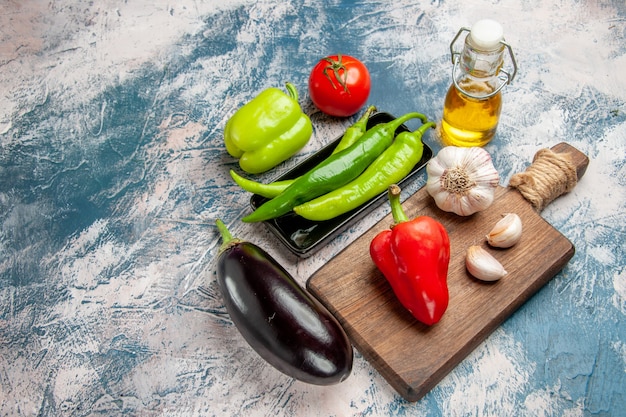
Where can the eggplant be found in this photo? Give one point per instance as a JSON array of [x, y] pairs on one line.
[[278, 318]]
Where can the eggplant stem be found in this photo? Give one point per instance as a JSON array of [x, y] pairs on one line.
[[227, 238], [224, 232]]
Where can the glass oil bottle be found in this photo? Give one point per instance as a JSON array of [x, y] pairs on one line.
[[472, 106]]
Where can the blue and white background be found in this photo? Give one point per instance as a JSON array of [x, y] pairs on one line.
[[112, 171]]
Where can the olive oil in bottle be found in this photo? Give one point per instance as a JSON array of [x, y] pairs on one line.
[[472, 106], [469, 121]]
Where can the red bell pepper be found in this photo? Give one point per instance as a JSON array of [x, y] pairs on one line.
[[413, 255]]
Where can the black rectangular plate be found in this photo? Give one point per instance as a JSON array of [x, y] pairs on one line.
[[304, 237]]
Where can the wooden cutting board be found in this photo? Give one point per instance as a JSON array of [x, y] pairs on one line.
[[411, 356]]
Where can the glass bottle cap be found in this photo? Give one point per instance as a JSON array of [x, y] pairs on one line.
[[487, 34]]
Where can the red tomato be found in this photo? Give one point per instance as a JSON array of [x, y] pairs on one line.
[[339, 85]]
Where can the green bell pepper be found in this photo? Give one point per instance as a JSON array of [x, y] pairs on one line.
[[267, 130]]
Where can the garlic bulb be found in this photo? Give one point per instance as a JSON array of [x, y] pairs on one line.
[[482, 265], [507, 232], [462, 180]]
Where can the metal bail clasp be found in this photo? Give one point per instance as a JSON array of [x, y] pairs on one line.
[[503, 75]]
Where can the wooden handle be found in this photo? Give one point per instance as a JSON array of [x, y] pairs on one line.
[[553, 173], [579, 159]]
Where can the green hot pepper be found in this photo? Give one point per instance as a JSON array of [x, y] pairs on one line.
[[271, 190], [267, 130], [354, 132], [333, 172], [389, 168]]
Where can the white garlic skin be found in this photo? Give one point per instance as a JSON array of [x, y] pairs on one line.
[[506, 232], [482, 265], [462, 180]]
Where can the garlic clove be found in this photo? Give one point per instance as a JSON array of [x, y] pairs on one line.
[[479, 198], [482, 265], [506, 232]]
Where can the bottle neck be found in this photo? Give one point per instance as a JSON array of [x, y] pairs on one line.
[[480, 63], [476, 72]]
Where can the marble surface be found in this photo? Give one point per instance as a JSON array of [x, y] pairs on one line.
[[113, 169]]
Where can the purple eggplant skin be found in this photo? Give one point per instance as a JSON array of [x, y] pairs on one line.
[[279, 319]]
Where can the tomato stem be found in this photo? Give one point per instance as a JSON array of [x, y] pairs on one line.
[[335, 66]]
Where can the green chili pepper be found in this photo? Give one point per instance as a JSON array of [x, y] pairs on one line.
[[271, 190], [395, 163], [267, 130], [333, 172], [354, 132]]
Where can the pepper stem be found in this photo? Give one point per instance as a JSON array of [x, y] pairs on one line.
[[402, 119], [360, 126], [418, 133], [291, 89], [423, 128], [396, 207], [362, 122], [354, 132]]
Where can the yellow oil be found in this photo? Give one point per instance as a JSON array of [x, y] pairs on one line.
[[469, 121]]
